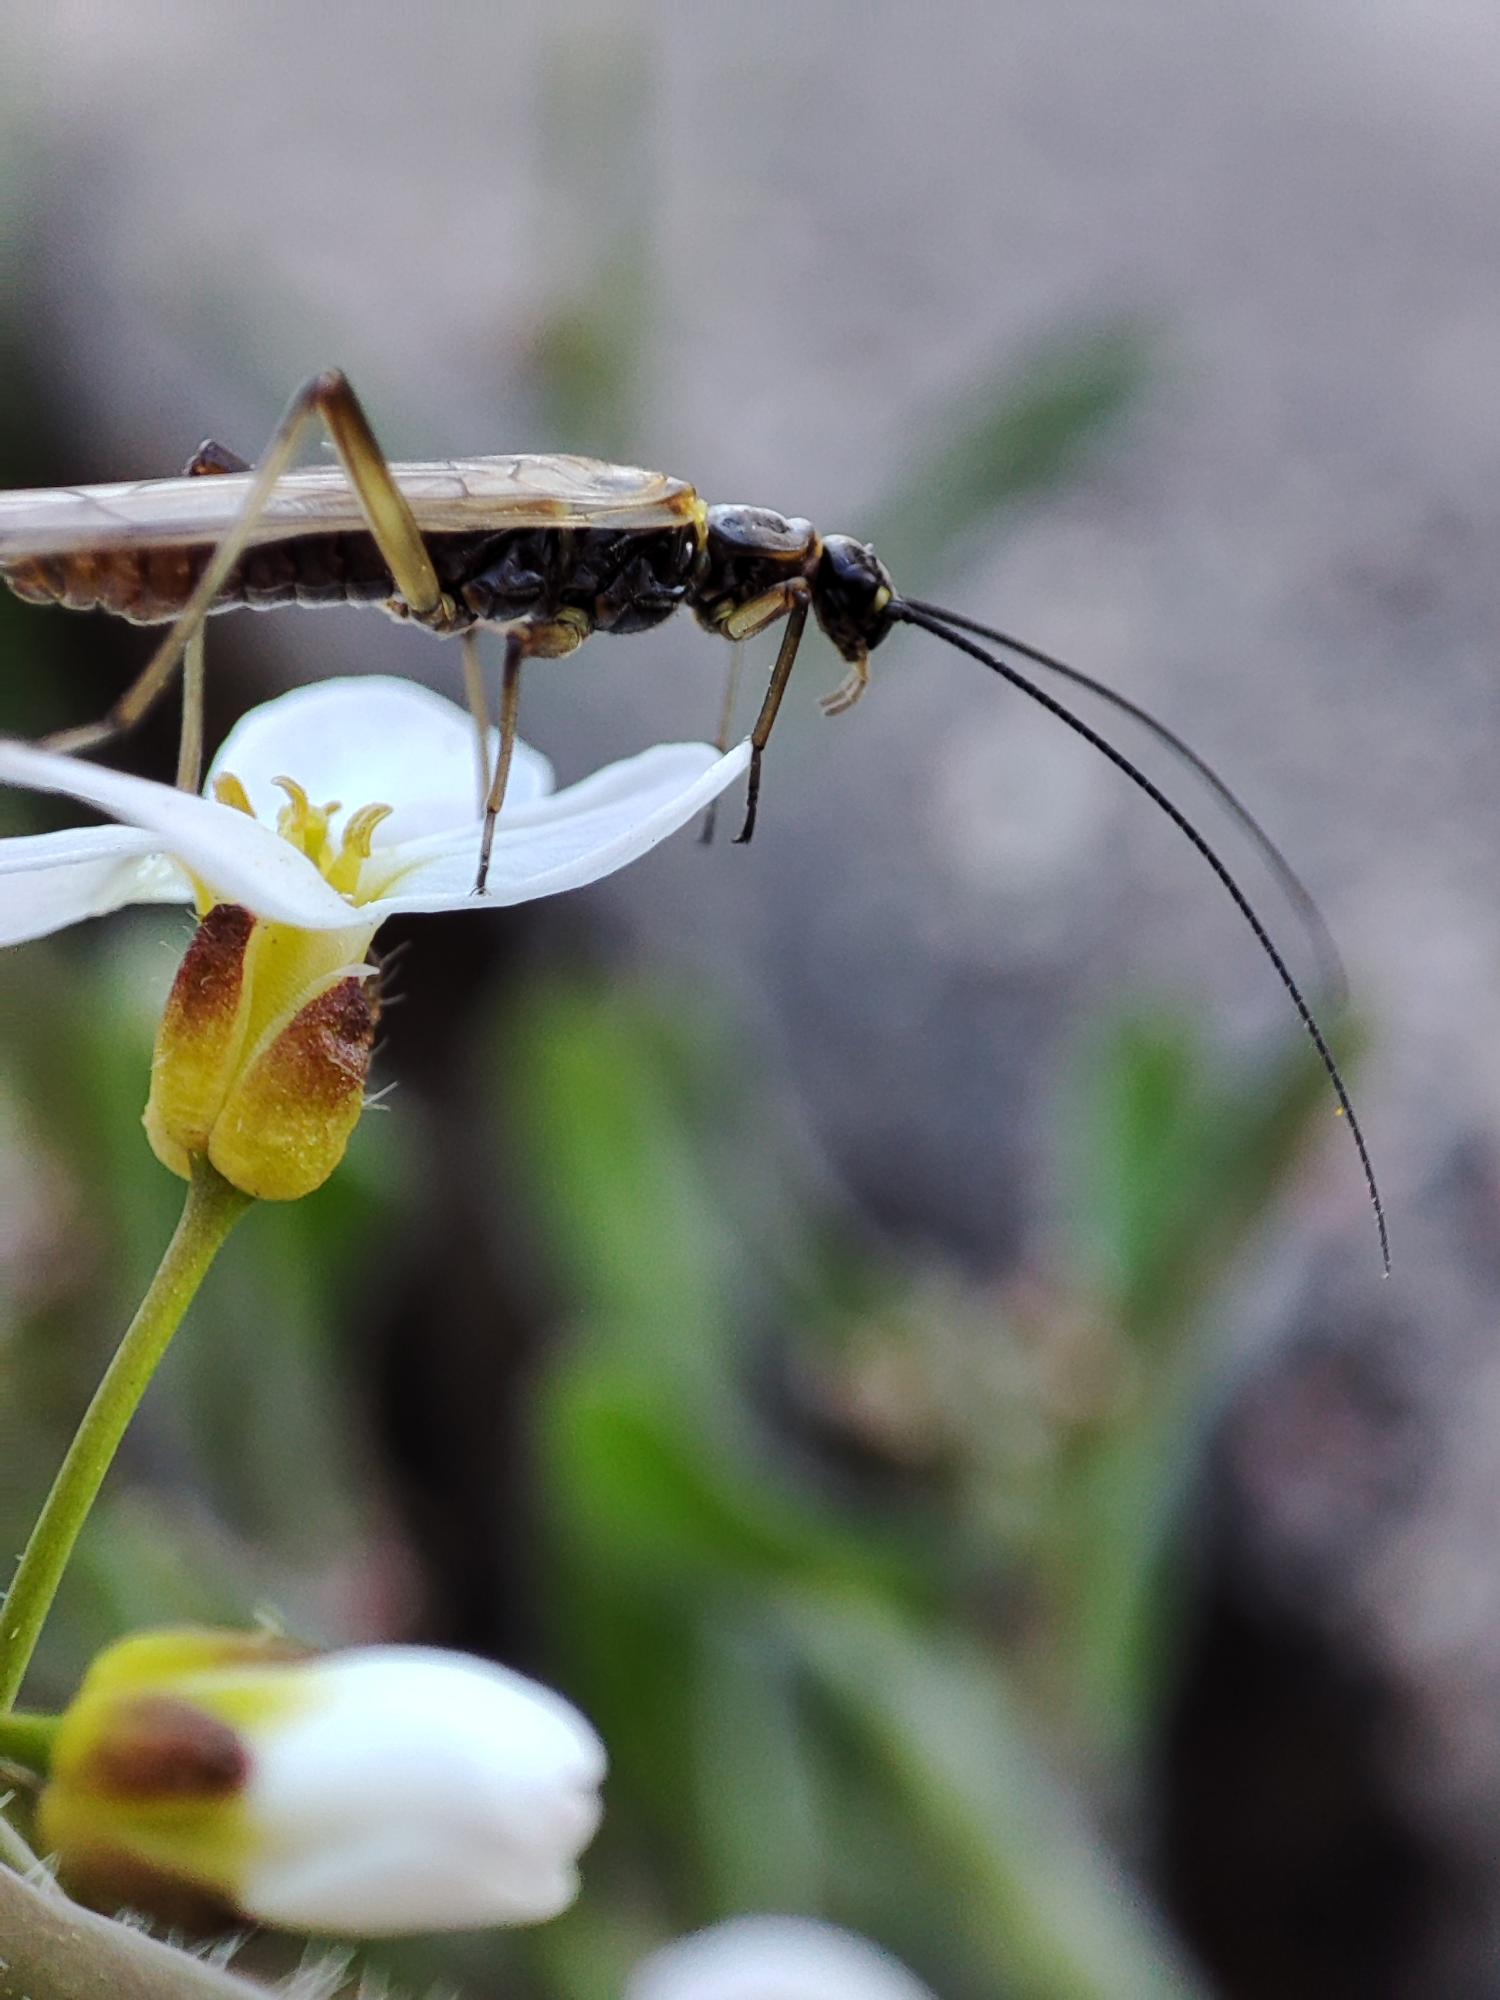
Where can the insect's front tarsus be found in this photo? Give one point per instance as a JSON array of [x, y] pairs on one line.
[[930, 618]]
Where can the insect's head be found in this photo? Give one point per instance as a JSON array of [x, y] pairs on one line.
[[852, 595]]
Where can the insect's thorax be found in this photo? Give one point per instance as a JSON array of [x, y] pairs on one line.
[[749, 555], [588, 579]]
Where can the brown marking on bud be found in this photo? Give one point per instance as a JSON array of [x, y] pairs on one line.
[[202, 1031], [211, 976], [155, 1747], [288, 1119]]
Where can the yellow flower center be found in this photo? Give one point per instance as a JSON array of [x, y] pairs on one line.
[[309, 829]]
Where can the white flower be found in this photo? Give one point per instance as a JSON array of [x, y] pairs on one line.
[[367, 1793], [367, 744], [773, 1958], [330, 810]]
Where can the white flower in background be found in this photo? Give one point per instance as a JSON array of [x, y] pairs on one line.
[[773, 1958], [327, 811], [386, 1790]]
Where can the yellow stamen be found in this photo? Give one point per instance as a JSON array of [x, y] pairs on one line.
[[302, 823], [306, 826], [343, 873], [230, 792]]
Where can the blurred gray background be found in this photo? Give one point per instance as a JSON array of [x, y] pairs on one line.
[[788, 253]]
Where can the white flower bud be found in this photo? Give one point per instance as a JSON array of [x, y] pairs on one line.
[[364, 1793], [420, 1791], [773, 1958]]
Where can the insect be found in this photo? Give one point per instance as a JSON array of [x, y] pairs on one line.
[[547, 550]]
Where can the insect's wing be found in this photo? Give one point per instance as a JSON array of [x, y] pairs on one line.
[[453, 496], [541, 490]]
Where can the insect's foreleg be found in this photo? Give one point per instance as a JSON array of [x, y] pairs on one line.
[[797, 599], [385, 509], [479, 708], [510, 705], [726, 723]]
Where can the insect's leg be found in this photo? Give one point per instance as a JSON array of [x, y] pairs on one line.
[[210, 458], [800, 600], [510, 704], [726, 723], [849, 689], [385, 509], [479, 708], [190, 743]]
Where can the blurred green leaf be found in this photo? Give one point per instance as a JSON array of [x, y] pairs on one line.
[[691, 1507], [1178, 1164], [1175, 1164], [600, 1102], [757, 1805], [1017, 430], [587, 356], [1035, 1896]]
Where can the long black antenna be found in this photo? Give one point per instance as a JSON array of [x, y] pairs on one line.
[[930, 619], [1330, 964]]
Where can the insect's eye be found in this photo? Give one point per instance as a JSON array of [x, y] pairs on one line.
[[850, 568]]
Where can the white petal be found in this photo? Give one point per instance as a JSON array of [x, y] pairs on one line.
[[581, 835], [241, 860], [773, 1958], [419, 1790], [50, 880], [368, 740]]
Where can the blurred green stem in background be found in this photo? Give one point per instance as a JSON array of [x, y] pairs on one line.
[[211, 1210]]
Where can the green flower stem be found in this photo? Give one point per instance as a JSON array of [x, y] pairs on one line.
[[210, 1212], [27, 1740]]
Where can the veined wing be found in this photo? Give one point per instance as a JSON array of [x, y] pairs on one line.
[[454, 496]]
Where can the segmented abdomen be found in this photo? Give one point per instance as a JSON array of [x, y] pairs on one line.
[[614, 580], [150, 585]]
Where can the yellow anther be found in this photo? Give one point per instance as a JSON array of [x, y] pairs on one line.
[[343, 873], [230, 792]]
